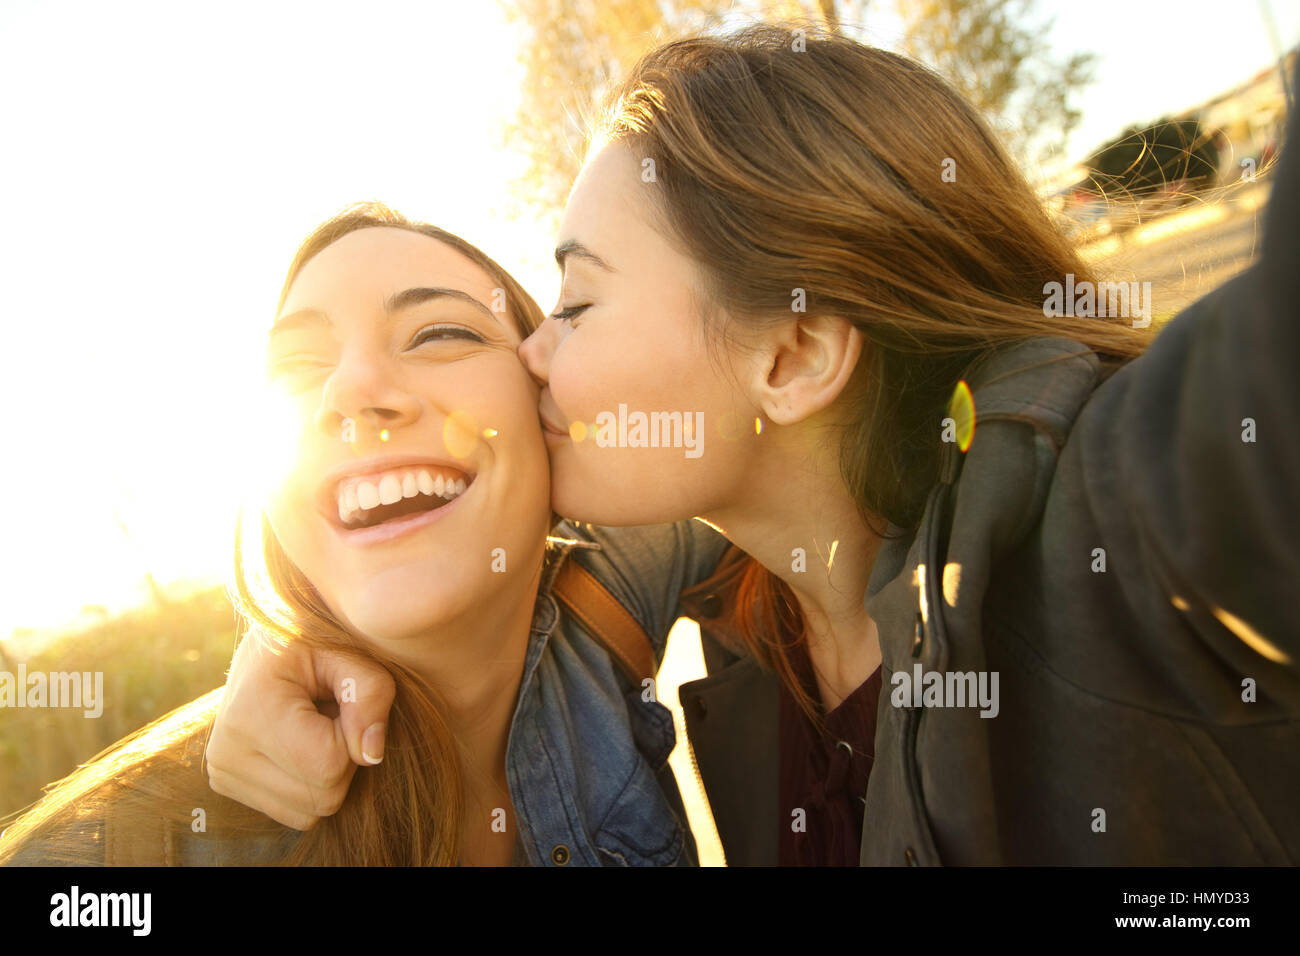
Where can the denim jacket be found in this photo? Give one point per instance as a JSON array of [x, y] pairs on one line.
[[587, 753], [587, 758]]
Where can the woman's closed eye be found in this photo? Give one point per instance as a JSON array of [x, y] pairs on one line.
[[436, 333], [572, 312]]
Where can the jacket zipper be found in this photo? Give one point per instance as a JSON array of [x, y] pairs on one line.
[[710, 827]]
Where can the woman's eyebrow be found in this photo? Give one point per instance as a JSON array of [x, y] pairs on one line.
[[394, 303], [410, 297], [574, 248]]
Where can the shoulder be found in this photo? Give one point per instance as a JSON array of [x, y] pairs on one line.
[[145, 802], [646, 568], [616, 554]]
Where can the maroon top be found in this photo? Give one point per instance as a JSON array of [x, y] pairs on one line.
[[825, 774]]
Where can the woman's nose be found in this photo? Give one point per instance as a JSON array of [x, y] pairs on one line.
[[536, 350], [358, 396]]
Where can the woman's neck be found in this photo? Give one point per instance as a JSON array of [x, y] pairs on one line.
[[795, 516], [475, 664]]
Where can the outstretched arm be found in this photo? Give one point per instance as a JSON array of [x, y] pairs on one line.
[[1209, 449]]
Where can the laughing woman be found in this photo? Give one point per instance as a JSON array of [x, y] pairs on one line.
[[409, 534], [1093, 535]]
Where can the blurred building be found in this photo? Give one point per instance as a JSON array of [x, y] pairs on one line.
[[1249, 120]]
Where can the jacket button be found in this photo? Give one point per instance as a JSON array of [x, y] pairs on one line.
[[560, 854], [918, 635], [911, 857], [710, 605], [699, 708]]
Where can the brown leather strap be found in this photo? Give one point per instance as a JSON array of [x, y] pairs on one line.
[[605, 619]]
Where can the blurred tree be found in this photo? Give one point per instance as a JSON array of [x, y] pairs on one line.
[[573, 51], [996, 54], [1139, 162]]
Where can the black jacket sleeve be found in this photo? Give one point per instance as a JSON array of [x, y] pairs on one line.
[[1209, 448]]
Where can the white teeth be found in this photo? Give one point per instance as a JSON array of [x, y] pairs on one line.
[[367, 495], [355, 496], [390, 490]]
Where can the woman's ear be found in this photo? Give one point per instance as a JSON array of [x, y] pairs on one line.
[[802, 365]]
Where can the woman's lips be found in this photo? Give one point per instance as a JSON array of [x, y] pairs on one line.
[[549, 418], [552, 429]]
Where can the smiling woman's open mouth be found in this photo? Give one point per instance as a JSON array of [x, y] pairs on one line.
[[371, 500]]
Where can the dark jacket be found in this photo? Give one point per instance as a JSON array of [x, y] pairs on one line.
[[1148, 713]]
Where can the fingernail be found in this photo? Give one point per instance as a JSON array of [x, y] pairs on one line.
[[372, 743]]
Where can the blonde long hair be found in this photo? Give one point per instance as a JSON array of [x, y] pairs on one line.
[[405, 811]]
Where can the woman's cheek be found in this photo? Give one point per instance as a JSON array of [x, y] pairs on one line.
[[582, 388], [511, 400]]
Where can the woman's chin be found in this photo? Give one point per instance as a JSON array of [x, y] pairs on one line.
[[397, 622], [390, 615]]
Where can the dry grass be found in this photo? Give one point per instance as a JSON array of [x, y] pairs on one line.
[[153, 660]]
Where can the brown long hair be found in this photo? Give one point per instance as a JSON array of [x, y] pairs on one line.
[[405, 811], [813, 162]]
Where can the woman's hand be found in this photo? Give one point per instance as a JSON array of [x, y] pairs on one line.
[[273, 750]]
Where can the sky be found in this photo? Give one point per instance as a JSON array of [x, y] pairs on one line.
[[160, 163]]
